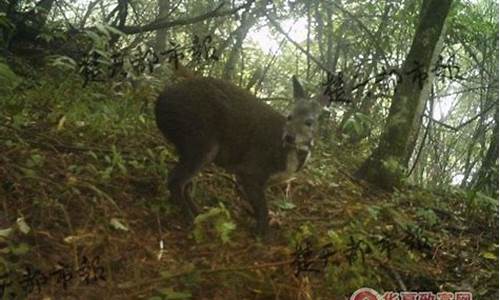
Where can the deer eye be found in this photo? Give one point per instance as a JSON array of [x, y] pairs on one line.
[[289, 118], [309, 123]]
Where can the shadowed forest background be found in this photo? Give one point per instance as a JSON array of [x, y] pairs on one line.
[[400, 194]]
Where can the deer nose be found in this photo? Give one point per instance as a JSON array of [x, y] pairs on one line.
[[290, 139]]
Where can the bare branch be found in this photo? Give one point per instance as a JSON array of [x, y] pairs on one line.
[[457, 128], [374, 41], [278, 27], [162, 24], [90, 8]]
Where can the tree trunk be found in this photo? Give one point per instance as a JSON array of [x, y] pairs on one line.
[[424, 137], [319, 31], [161, 34], [469, 163], [247, 21], [330, 61], [385, 167], [487, 177], [308, 40], [27, 25]]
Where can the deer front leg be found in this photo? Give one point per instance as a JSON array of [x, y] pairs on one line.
[[254, 192]]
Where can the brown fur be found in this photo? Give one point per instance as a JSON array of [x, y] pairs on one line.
[[210, 120]]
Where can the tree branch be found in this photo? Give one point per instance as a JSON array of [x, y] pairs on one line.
[[424, 138], [162, 24], [374, 41], [88, 12], [465, 91], [278, 27], [457, 128]]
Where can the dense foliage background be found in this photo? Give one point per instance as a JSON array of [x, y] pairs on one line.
[[402, 188]]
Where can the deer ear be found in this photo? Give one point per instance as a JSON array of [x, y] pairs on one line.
[[298, 91]]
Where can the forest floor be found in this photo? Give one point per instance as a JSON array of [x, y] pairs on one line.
[[85, 215]]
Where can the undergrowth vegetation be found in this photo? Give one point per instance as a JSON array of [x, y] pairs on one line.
[[83, 174]]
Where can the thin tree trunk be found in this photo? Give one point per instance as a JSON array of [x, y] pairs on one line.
[[161, 34], [469, 164], [308, 45], [487, 178], [386, 165], [320, 31], [247, 21], [330, 61], [367, 102], [424, 137]]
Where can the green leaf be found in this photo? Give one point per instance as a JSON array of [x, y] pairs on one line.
[[217, 218], [101, 28], [64, 62], [20, 249], [286, 205], [490, 255], [224, 229], [114, 30], [165, 274], [23, 226], [5, 22], [353, 125], [8, 79], [4, 233], [118, 225]]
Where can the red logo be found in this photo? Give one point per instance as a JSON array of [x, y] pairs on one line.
[[370, 294], [365, 294]]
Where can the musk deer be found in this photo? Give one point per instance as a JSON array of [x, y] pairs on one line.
[[211, 120]]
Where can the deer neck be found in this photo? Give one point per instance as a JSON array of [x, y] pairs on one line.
[[292, 160]]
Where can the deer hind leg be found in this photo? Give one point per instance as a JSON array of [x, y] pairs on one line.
[[190, 163]]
